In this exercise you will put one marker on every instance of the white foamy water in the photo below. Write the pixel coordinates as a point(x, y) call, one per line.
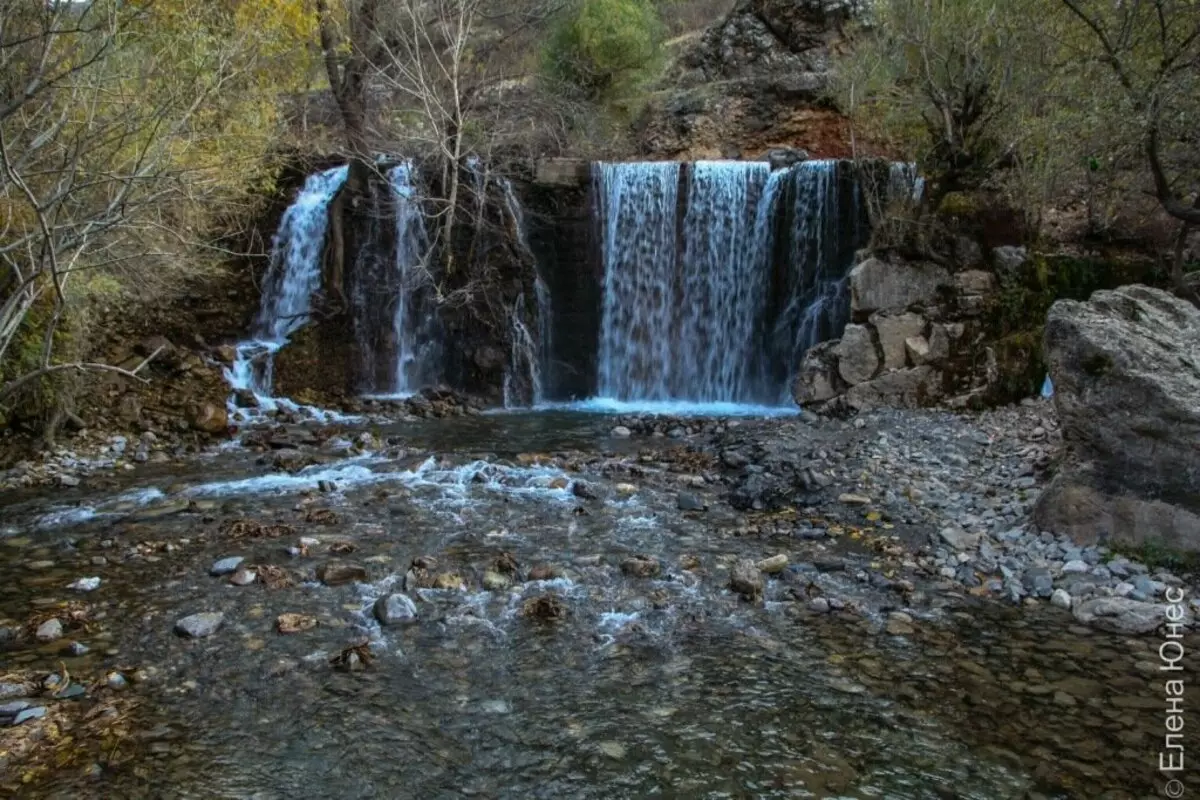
point(681, 408)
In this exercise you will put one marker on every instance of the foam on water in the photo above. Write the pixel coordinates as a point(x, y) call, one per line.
point(681, 408)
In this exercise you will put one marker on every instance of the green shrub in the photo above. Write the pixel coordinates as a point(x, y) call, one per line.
point(606, 48)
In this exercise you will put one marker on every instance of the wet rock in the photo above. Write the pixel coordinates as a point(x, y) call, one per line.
point(773, 565)
point(116, 680)
point(626, 488)
point(900, 624)
point(584, 490)
point(49, 630)
point(1060, 599)
point(818, 605)
point(77, 649)
point(294, 623)
point(210, 418)
point(165, 509)
point(292, 461)
point(1120, 615)
point(545, 608)
point(243, 576)
point(395, 609)
point(621, 432)
point(690, 502)
point(68, 481)
point(494, 581)
point(85, 585)
point(197, 626)
point(641, 566)
point(544, 572)
point(746, 580)
point(37, 712)
point(225, 566)
point(449, 580)
point(339, 573)
point(854, 499)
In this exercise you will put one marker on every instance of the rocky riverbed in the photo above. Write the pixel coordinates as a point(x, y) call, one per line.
point(558, 604)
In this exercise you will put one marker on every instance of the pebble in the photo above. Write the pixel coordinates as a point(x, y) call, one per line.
point(621, 432)
point(1060, 599)
point(49, 630)
point(819, 605)
point(1076, 567)
point(225, 566)
point(116, 680)
point(197, 626)
point(854, 499)
point(37, 712)
point(690, 502)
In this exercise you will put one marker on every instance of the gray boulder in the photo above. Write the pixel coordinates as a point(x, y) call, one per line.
point(1126, 372)
point(1122, 615)
point(858, 360)
point(877, 285)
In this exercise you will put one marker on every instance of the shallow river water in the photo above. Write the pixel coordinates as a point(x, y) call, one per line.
point(661, 686)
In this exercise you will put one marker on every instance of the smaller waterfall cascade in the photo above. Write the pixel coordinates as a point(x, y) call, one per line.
point(529, 359)
point(292, 277)
point(413, 324)
point(826, 224)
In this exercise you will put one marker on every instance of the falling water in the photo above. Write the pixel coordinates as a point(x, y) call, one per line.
point(716, 285)
point(524, 347)
point(523, 378)
point(637, 206)
point(293, 275)
point(826, 226)
point(413, 323)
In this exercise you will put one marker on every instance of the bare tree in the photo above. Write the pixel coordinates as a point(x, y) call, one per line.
point(90, 125)
point(1152, 50)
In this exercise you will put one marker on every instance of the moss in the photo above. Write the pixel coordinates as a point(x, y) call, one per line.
point(958, 204)
point(1156, 555)
point(1017, 317)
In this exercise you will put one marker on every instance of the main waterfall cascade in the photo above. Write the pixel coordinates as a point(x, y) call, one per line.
point(719, 275)
point(293, 275)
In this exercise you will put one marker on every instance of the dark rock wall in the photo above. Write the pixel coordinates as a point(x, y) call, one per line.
point(564, 236)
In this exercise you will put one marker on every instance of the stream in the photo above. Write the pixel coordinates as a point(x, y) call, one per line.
point(578, 671)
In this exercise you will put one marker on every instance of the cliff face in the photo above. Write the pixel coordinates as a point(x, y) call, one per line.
point(754, 82)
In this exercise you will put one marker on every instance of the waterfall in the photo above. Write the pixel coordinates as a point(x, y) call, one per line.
point(293, 275)
point(725, 282)
point(523, 378)
point(413, 322)
point(528, 355)
point(718, 276)
point(637, 204)
point(827, 225)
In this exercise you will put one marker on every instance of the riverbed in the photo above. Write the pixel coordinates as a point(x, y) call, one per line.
point(575, 633)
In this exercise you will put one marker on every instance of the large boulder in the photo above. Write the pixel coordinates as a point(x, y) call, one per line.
point(894, 330)
point(858, 359)
point(877, 285)
point(1126, 372)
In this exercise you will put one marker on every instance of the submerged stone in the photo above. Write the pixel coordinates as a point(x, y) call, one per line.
point(197, 626)
point(395, 609)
